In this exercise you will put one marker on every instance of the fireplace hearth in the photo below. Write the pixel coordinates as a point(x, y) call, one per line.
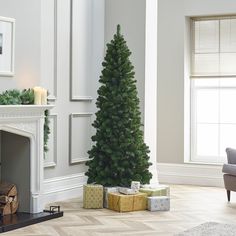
point(22, 219)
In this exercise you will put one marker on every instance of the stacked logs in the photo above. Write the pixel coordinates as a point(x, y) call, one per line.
point(8, 199)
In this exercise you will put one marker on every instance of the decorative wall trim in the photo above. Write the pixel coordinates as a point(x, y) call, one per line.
point(84, 69)
point(194, 174)
point(64, 187)
point(49, 47)
point(53, 97)
point(79, 98)
point(53, 161)
point(72, 159)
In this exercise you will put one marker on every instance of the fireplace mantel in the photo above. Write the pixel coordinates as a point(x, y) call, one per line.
point(25, 110)
point(28, 121)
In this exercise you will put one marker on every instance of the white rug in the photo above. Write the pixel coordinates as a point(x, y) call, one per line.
point(211, 229)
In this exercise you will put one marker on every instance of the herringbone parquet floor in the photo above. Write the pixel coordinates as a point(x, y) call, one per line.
point(190, 206)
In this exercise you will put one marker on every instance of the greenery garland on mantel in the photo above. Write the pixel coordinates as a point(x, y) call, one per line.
point(25, 97)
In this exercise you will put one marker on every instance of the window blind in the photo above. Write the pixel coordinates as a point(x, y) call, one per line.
point(213, 47)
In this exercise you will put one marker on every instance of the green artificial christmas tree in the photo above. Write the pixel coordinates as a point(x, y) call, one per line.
point(119, 154)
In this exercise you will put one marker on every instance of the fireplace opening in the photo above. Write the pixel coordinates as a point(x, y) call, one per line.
point(15, 156)
point(15, 166)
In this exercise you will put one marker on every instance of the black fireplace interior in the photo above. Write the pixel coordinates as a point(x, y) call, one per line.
point(15, 166)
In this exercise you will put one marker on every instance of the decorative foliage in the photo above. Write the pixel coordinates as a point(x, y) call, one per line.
point(119, 154)
point(25, 97)
point(10, 97)
point(46, 131)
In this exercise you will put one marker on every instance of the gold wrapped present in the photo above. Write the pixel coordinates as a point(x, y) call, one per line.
point(93, 196)
point(162, 190)
point(124, 203)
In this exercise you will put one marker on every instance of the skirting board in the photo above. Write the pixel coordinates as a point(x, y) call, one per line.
point(193, 174)
point(71, 186)
point(63, 188)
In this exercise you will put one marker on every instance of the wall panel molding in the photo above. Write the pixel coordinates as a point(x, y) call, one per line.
point(49, 47)
point(51, 156)
point(80, 132)
point(54, 95)
point(81, 39)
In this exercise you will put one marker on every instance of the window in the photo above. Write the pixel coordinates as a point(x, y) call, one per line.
point(213, 88)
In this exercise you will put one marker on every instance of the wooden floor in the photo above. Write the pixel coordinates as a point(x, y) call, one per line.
point(190, 206)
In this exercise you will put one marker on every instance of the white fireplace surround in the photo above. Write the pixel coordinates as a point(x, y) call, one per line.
point(28, 121)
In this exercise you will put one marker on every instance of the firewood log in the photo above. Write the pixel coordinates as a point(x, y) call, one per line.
point(7, 189)
point(5, 209)
point(14, 206)
point(8, 199)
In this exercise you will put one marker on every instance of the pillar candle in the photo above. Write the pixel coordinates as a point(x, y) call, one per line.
point(43, 96)
point(37, 95)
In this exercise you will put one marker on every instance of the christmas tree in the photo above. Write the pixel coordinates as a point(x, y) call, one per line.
point(119, 154)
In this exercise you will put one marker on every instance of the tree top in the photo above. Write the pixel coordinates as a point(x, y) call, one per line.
point(118, 30)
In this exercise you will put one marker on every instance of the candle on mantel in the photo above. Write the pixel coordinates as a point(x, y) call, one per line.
point(37, 95)
point(44, 94)
point(40, 96)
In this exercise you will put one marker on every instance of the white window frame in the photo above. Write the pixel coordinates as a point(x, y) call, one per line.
point(192, 36)
point(193, 155)
point(193, 89)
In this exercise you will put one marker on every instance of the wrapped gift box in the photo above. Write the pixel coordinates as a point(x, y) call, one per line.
point(161, 190)
point(158, 203)
point(105, 194)
point(93, 196)
point(127, 191)
point(124, 203)
point(135, 185)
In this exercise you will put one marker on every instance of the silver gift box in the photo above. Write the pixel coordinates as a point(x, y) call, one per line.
point(105, 194)
point(158, 203)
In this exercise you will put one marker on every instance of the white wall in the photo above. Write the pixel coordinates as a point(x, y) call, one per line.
point(171, 26)
point(44, 54)
point(130, 14)
point(27, 43)
point(71, 67)
point(42, 57)
point(50, 67)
